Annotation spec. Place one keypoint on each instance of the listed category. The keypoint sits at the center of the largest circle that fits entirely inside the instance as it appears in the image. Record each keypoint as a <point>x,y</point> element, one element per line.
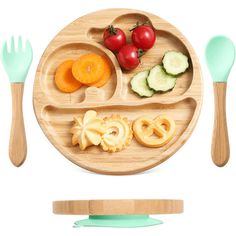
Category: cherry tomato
<point>143,36</point>
<point>114,38</point>
<point>128,57</point>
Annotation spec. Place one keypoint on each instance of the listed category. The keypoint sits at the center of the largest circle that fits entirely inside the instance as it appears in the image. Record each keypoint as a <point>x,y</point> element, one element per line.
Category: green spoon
<point>220,55</point>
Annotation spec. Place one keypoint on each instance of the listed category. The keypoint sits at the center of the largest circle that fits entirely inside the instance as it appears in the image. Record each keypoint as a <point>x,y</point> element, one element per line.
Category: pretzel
<point>154,133</point>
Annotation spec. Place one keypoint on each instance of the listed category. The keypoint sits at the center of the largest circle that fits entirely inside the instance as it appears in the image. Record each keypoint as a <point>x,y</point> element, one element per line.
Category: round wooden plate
<point>118,207</point>
<point>55,110</point>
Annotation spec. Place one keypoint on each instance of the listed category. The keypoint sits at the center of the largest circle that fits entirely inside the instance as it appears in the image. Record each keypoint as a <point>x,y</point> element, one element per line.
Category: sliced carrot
<point>105,77</point>
<point>64,78</point>
<point>89,68</point>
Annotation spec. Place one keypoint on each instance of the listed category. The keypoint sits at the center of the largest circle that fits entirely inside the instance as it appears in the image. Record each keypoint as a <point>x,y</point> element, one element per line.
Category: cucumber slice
<point>139,84</point>
<point>159,81</point>
<point>175,63</point>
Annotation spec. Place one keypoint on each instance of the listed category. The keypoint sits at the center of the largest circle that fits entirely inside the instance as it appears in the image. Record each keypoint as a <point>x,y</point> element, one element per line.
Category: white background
<point>26,193</point>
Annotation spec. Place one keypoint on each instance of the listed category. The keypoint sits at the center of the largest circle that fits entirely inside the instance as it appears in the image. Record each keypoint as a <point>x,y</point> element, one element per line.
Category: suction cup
<point>118,221</point>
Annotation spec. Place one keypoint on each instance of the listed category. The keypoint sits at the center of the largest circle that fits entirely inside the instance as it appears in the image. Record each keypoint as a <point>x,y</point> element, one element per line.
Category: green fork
<point>16,62</point>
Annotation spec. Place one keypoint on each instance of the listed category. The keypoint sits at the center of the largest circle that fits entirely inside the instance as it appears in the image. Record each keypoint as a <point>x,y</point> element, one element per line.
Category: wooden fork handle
<point>17,145</point>
<point>220,149</point>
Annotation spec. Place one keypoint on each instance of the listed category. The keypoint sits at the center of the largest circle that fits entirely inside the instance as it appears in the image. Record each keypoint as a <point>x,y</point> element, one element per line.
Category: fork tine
<point>28,46</point>
<point>4,48</point>
<point>4,51</point>
<point>12,44</point>
<point>20,47</point>
<point>29,51</point>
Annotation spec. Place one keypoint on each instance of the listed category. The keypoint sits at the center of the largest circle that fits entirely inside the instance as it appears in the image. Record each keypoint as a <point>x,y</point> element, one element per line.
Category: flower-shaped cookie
<point>87,130</point>
<point>118,133</point>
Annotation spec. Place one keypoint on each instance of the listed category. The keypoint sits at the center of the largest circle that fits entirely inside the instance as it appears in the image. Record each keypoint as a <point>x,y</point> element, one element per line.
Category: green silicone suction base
<point>118,221</point>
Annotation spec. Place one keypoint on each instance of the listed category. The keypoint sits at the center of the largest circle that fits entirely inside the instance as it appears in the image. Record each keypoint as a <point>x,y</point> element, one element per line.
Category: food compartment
<point>165,41</point>
<point>73,51</point>
<point>60,120</point>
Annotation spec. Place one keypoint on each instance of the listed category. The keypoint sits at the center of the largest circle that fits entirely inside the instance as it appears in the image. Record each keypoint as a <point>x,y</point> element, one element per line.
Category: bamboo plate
<point>55,110</point>
<point>118,213</point>
<point>118,207</point>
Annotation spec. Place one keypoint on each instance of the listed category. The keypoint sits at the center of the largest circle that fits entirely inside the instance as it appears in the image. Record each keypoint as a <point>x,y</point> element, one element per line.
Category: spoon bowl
<point>220,56</point>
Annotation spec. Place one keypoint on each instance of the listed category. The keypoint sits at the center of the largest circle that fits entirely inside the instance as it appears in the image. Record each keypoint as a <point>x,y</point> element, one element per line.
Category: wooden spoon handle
<point>17,145</point>
<point>220,150</point>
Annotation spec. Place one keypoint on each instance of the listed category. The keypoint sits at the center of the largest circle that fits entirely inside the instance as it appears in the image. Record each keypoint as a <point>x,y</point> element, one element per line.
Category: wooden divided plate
<point>55,110</point>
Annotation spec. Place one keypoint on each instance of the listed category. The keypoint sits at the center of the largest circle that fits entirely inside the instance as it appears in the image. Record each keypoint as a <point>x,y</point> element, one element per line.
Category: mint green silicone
<point>17,61</point>
<point>118,221</point>
<point>220,55</point>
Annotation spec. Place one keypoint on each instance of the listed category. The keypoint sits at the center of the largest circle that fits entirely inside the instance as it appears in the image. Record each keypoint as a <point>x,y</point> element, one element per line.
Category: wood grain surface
<point>118,207</point>
<point>55,110</point>
<point>17,144</point>
<point>220,150</point>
